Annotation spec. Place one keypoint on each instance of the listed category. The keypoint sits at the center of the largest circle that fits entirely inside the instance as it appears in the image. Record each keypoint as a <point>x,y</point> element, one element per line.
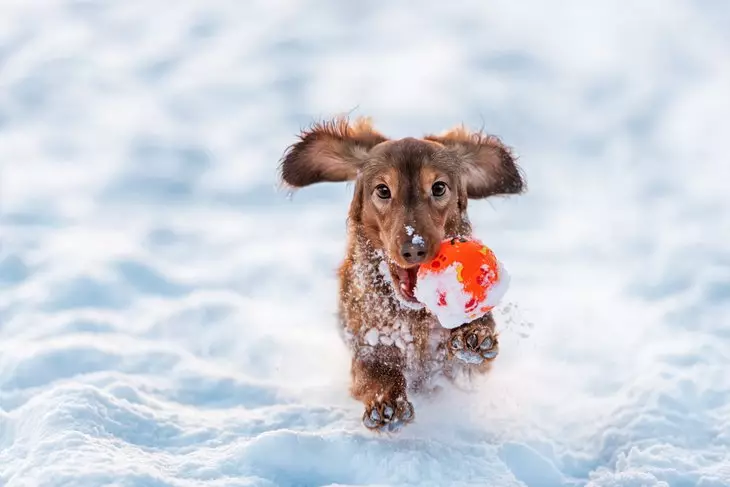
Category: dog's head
<point>410,194</point>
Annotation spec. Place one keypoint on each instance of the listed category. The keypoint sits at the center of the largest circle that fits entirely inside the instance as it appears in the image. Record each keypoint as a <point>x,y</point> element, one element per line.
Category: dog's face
<point>410,194</point>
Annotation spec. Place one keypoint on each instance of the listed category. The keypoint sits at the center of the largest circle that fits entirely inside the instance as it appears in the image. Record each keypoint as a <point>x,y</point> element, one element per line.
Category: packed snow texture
<point>167,317</point>
<point>432,286</point>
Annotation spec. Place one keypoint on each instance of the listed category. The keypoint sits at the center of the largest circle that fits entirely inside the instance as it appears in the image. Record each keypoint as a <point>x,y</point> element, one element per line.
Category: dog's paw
<point>473,343</point>
<point>388,415</point>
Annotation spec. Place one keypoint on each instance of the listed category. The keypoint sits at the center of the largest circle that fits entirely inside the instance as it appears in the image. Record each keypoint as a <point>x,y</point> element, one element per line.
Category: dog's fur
<point>409,196</point>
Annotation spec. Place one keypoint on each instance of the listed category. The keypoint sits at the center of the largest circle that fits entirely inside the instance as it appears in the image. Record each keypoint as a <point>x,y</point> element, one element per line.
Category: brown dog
<point>410,195</point>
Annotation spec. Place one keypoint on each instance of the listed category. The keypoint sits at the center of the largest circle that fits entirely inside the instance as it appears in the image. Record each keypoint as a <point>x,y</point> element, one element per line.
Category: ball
<point>462,283</point>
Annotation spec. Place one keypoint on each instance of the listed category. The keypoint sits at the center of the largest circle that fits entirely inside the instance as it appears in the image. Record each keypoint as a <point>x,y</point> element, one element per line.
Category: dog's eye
<point>382,191</point>
<point>438,188</point>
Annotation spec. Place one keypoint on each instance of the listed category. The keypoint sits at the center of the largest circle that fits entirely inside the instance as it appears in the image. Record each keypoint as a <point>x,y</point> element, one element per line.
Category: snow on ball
<point>462,283</point>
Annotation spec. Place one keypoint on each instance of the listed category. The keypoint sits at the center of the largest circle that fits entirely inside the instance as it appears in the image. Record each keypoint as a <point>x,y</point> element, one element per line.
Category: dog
<point>410,195</point>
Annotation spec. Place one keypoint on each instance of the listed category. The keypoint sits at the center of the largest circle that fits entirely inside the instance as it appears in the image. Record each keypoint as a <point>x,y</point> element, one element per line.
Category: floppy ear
<point>329,151</point>
<point>487,167</point>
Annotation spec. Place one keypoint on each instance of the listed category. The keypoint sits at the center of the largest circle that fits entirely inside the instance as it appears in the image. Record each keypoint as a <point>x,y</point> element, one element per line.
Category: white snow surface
<point>167,317</point>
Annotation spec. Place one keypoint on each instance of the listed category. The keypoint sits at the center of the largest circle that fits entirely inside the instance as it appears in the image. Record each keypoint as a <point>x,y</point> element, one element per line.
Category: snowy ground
<point>166,317</point>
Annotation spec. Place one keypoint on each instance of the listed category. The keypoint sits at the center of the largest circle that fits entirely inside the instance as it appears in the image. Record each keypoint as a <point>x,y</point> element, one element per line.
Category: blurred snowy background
<point>167,316</point>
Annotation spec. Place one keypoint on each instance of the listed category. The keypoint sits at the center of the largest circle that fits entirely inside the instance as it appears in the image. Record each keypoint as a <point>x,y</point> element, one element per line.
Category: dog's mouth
<point>405,280</point>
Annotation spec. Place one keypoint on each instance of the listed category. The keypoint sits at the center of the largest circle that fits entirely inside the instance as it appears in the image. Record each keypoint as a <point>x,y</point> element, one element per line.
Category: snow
<point>429,288</point>
<point>432,286</point>
<point>446,290</point>
<point>401,337</point>
<point>415,238</point>
<point>372,336</point>
<point>167,318</point>
<point>499,289</point>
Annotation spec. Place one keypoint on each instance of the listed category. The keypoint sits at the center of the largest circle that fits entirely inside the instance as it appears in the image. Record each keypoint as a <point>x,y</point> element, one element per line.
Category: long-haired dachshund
<point>410,195</point>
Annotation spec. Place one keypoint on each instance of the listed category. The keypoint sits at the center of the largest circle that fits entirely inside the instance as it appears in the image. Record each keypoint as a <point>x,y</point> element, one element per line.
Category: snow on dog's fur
<point>410,194</point>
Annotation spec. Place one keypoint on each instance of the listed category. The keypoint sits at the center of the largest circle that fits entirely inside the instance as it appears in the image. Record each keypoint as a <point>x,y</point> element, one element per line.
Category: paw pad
<point>388,416</point>
<point>472,345</point>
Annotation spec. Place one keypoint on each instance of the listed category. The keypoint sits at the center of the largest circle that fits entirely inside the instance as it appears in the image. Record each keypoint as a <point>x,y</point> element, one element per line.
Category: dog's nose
<point>413,253</point>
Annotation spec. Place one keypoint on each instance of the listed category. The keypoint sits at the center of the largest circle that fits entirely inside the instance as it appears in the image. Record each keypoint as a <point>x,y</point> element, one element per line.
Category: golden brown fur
<point>410,195</point>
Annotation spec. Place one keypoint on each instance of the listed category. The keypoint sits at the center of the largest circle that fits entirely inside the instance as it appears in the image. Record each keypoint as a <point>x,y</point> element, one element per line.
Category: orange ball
<point>463,282</point>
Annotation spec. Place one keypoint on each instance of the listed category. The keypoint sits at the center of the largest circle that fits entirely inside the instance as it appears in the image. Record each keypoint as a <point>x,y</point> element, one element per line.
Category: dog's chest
<point>374,315</point>
<point>417,334</point>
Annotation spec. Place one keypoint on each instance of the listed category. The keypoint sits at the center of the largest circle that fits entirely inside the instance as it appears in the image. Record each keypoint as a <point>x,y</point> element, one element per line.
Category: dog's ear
<point>331,151</point>
<point>488,168</point>
<point>355,213</point>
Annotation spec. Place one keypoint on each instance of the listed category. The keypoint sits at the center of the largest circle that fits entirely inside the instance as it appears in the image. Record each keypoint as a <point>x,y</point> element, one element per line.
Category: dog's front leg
<point>378,381</point>
<point>474,343</point>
